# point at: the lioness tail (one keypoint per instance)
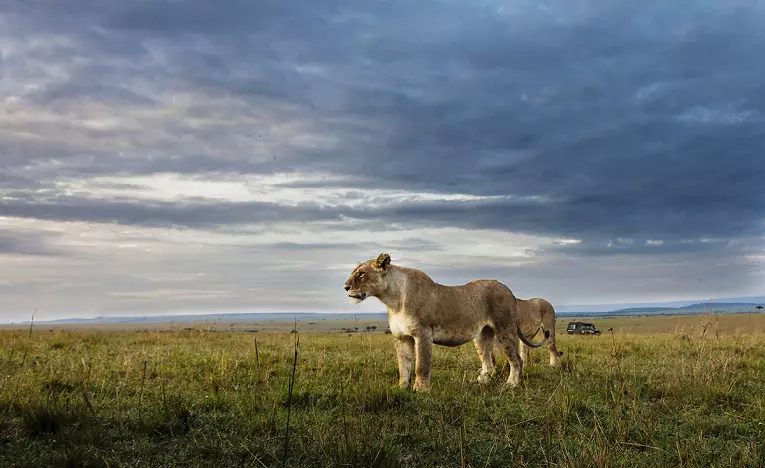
(528, 343)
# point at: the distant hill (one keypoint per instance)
(658, 306)
(701, 306)
(691, 309)
(642, 310)
(720, 306)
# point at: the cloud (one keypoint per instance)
(387, 119)
(26, 243)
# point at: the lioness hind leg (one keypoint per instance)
(523, 350)
(549, 325)
(405, 358)
(554, 353)
(483, 344)
(509, 341)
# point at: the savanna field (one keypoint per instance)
(662, 391)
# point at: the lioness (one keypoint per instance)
(422, 312)
(535, 314)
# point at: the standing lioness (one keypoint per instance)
(422, 312)
(535, 314)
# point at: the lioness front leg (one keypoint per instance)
(405, 357)
(423, 348)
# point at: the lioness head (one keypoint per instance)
(368, 279)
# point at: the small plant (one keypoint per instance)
(41, 421)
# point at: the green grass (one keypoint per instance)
(195, 398)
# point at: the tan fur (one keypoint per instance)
(535, 314)
(422, 312)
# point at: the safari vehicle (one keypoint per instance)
(582, 328)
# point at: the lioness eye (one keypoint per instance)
(361, 275)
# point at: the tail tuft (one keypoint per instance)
(547, 334)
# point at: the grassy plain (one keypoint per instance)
(658, 391)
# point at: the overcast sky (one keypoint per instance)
(194, 156)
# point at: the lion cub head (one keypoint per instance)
(368, 279)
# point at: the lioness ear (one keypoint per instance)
(382, 262)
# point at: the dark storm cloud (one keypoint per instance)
(163, 214)
(571, 218)
(644, 247)
(640, 121)
(108, 94)
(584, 217)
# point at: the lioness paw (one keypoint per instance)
(421, 386)
(512, 383)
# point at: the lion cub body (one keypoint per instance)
(422, 312)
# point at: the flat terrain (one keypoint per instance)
(318, 326)
(732, 323)
(658, 391)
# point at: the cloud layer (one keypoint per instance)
(179, 155)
